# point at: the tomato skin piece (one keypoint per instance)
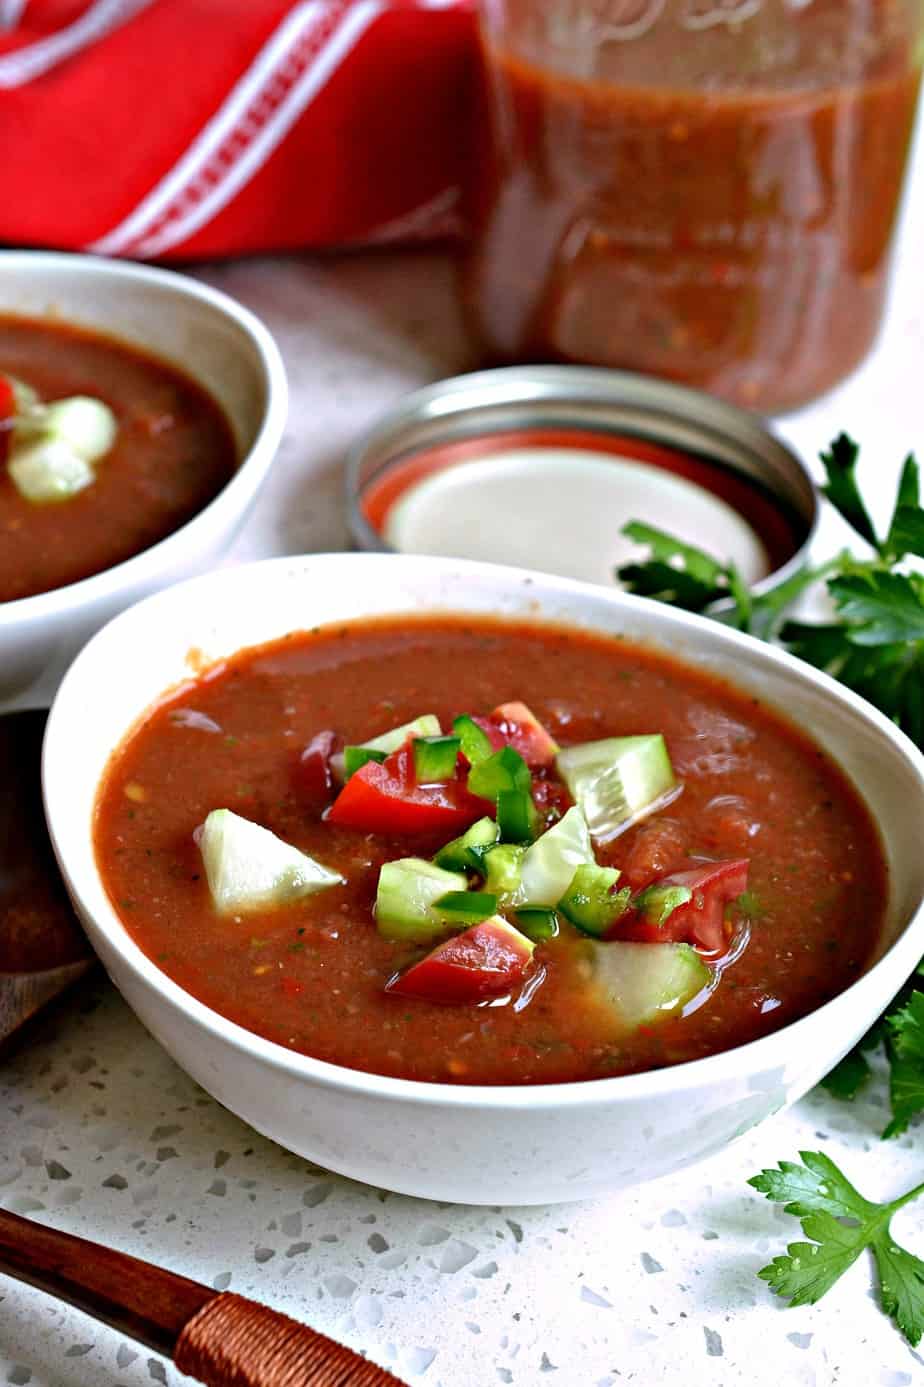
(385, 798)
(701, 922)
(313, 774)
(522, 730)
(486, 961)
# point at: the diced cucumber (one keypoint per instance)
(248, 868)
(617, 780)
(466, 854)
(406, 899)
(86, 424)
(427, 725)
(549, 864)
(591, 901)
(658, 902)
(503, 868)
(54, 447)
(643, 983)
(48, 470)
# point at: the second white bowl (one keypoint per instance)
(220, 345)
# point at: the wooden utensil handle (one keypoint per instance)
(222, 1339)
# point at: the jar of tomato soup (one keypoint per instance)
(701, 189)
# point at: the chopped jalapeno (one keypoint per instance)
(467, 853)
(476, 744)
(537, 922)
(469, 907)
(516, 816)
(503, 770)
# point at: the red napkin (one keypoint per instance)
(177, 129)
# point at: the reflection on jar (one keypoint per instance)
(704, 191)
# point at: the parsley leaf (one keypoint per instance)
(840, 1224)
(906, 532)
(905, 1043)
(847, 1078)
(675, 573)
(841, 489)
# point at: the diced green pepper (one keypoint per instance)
(355, 757)
(591, 902)
(657, 903)
(503, 770)
(537, 922)
(476, 744)
(467, 853)
(466, 907)
(435, 758)
(502, 868)
(516, 816)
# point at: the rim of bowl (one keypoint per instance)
(251, 468)
(754, 1056)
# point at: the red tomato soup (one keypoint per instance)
(173, 452)
(750, 887)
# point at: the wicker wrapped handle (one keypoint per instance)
(222, 1339)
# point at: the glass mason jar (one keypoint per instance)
(701, 189)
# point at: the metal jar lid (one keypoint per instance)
(710, 448)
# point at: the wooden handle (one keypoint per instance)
(222, 1339)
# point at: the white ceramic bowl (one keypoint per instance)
(470, 1144)
(216, 342)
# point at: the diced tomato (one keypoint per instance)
(702, 920)
(486, 961)
(7, 414)
(385, 798)
(658, 846)
(313, 776)
(521, 729)
(291, 987)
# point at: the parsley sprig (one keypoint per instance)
(874, 644)
(840, 1224)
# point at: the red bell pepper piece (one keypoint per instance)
(7, 416)
(701, 921)
(385, 798)
(486, 961)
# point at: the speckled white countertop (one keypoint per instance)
(101, 1135)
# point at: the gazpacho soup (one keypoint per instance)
(104, 451)
(472, 850)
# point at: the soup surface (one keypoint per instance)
(311, 974)
(172, 454)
